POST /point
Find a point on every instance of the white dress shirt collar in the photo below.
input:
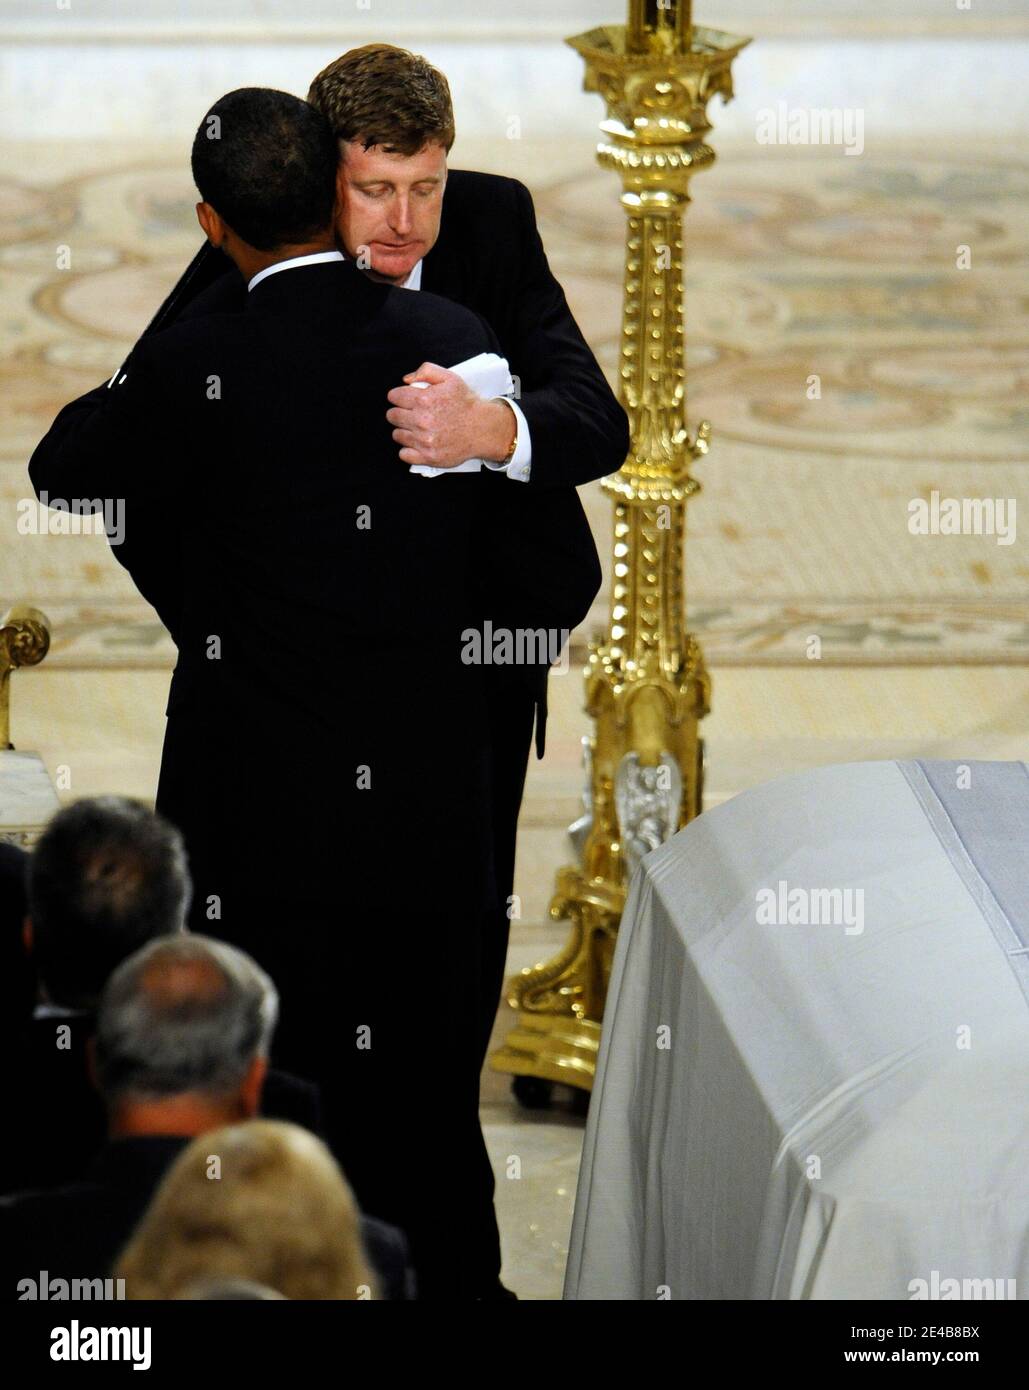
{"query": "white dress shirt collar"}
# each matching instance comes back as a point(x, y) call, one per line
point(315, 258)
point(414, 280)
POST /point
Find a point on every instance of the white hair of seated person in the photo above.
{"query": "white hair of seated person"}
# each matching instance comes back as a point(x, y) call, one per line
point(262, 1201)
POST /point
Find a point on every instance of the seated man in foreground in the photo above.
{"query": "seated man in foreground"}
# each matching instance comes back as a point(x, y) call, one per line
point(183, 1037)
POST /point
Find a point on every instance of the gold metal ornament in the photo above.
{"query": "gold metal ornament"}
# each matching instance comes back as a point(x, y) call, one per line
point(24, 641)
point(647, 687)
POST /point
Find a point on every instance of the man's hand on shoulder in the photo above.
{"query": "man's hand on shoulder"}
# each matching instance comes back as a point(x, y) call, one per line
point(444, 422)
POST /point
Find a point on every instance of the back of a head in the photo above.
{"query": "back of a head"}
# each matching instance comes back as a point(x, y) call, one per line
point(185, 1016)
point(261, 1201)
point(107, 876)
point(266, 162)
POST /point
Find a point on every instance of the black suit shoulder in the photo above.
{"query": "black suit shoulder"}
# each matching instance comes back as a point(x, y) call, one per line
point(386, 312)
point(428, 317)
point(486, 219)
point(183, 344)
point(471, 193)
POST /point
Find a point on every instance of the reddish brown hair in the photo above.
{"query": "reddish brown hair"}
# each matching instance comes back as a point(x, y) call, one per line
point(381, 95)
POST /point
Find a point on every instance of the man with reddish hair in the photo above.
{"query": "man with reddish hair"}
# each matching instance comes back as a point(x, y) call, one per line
point(406, 219)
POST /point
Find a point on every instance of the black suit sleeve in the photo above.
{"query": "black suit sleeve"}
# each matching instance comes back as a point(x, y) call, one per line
point(51, 467)
point(488, 340)
point(210, 284)
point(579, 431)
point(99, 445)
point(105, 447)
point(225, 295)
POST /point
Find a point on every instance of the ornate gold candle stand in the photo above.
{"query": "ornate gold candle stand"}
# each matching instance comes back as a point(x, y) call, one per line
point(646, 684)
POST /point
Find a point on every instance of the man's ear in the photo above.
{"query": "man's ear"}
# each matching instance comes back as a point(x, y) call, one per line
point(213, 226)
point(253, 1085)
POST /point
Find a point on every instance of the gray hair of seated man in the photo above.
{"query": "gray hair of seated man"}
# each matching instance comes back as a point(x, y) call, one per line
point(186, 1014)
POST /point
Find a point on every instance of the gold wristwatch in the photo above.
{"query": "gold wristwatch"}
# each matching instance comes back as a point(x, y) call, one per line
point(514, 442)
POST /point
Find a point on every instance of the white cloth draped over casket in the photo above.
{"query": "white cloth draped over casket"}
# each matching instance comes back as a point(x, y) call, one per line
point(790, 1110)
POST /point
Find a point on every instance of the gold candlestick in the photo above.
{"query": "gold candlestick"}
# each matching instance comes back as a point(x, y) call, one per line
point(646, 684)
point(667, 26)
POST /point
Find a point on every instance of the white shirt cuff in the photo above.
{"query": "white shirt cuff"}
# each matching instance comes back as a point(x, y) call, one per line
point(519, 465)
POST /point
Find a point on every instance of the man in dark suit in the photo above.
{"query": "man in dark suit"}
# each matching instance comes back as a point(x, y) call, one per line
point(473, 238)
point(106, 877)
point(183, 1034)
point(317, 591)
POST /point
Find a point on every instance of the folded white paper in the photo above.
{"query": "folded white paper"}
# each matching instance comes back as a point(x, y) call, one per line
point(488, 375)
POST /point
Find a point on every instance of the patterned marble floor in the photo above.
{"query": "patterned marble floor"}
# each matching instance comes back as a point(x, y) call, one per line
point(803, 265)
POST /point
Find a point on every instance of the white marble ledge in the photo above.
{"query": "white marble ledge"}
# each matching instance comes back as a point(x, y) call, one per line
point(359, 21)
point(930, 88)
point(27, 796)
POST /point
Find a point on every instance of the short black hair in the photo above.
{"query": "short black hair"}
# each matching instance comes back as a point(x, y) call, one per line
point(266, 162)
point(107, 876)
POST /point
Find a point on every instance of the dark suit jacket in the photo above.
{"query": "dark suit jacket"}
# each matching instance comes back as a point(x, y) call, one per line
point(305, 574)
point(276, 419)
point(59, 1117)
point(78, 1231)
point(264, 502)
point(540, 562)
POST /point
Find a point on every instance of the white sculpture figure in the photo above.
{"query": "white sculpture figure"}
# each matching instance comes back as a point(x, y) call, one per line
point(647, 802)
